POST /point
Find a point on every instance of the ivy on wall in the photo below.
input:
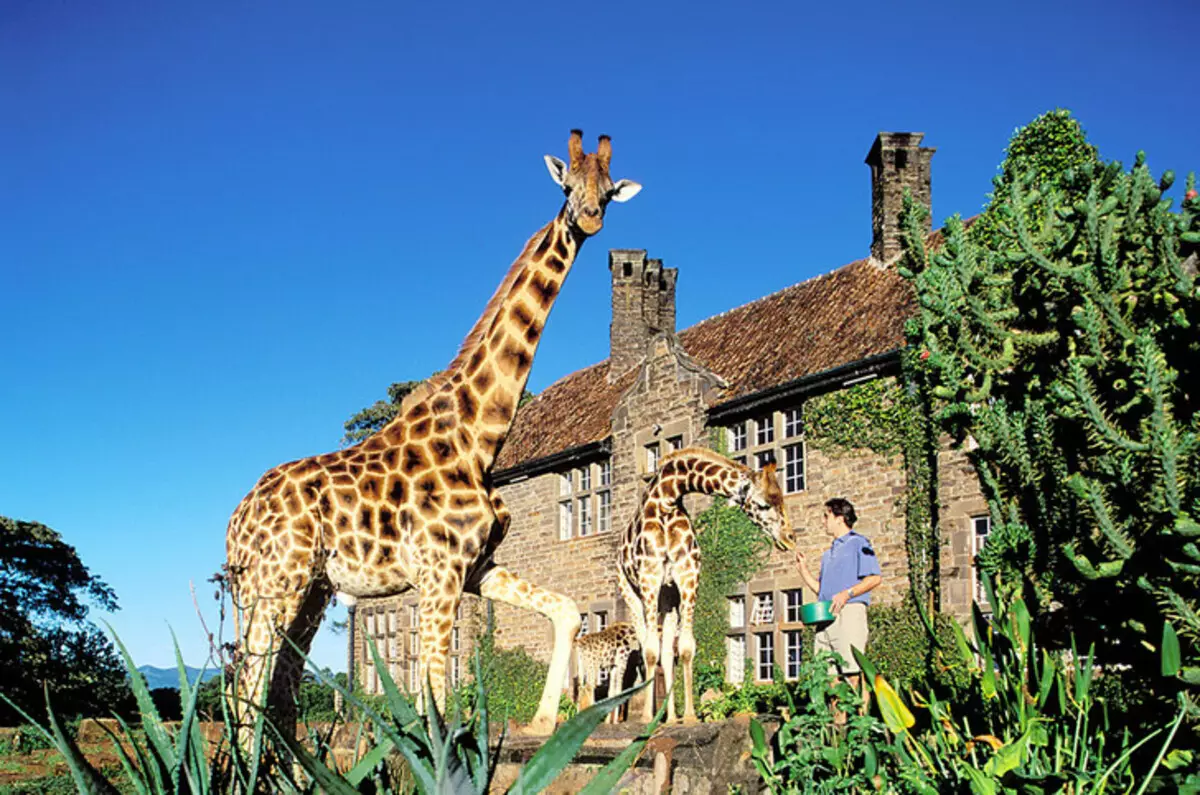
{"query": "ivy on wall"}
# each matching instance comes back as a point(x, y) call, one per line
point(869, 415)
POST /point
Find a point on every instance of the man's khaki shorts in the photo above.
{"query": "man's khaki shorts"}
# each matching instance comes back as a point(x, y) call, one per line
point(848, 629)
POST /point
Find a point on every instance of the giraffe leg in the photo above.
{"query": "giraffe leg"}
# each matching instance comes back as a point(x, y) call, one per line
point(649, 587)
point(669, 625)
point(637, 614)
point(502, 585)
point(441, 591)
point(687, 575)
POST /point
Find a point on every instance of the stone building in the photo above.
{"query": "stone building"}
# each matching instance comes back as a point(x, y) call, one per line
point(579, 454)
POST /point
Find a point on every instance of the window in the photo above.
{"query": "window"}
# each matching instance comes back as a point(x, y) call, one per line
point(414, 615)
point(793, 468)
point(585, 515)
point(371, 684)
point(564, 484)
point(737, 611)
point(604, 515)
point(458, 611)
point(737, 437)
point(455, 640)
point(740, 459)
point(764, 430)
point(793, 425)
point(981, 527)
point(764, 608)
point(652, 458)
point(601, 620)
point(735, 658)
point(393, 647)
point(414, 676)
point(564, 520)
point(766, 654)
point(391, 621)
point(371, 624)
point(764, 457)
point(414, 643)
point(454, 672)
point(794, 645)
point(606, 472)
point(675, 443)
point(794, 598)
point(584, 626)
point(585, 478)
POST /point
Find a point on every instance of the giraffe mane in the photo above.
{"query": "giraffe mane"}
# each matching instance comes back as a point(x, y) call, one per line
point(479, 331)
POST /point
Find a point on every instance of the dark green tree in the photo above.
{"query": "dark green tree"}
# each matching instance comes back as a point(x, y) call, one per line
point(1061, 339)
point(370, 420)
point(45, 637)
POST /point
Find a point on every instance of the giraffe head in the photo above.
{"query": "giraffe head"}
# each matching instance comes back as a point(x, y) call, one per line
point(761, 498)
point(586, 182)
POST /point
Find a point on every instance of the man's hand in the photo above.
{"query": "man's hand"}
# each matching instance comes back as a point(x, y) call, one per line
point(839, 600)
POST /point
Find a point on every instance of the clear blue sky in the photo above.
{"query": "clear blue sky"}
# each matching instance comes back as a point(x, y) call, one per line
point(224, 227)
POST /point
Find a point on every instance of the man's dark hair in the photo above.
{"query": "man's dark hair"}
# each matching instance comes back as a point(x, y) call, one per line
point(842, 507)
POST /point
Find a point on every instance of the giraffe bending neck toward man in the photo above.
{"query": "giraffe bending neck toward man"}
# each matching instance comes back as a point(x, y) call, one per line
point(413, 506)
point(658, 565)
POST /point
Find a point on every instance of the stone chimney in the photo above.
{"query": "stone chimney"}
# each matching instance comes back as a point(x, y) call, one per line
point(643, 306)
point(897, 161)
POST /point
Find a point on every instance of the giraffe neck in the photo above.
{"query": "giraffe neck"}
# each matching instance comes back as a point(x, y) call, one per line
point(693, 472)
point(489, 374)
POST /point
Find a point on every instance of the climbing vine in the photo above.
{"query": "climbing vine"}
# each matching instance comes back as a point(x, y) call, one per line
point(869, 415)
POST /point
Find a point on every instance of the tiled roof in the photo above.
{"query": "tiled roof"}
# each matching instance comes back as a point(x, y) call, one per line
point(853, 313)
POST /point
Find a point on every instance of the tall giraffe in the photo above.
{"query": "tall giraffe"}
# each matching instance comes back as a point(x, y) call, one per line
point(659, 550)
point(413, 506)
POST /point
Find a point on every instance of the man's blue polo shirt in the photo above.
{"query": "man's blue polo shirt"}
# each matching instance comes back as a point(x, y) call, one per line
point(848, 559)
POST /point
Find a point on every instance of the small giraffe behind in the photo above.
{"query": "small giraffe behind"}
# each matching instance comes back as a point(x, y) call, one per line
point(659, 556)
point(606, 650)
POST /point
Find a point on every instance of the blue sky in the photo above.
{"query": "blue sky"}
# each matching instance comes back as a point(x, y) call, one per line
point(224, 227)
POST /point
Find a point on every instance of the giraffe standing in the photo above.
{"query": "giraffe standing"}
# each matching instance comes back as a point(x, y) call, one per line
point(413, 506)
point(659, 555)
point(606, 650)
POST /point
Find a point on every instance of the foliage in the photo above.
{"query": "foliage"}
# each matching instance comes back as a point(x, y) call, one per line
point(45, 593)
point(903, 649)
point(441, 755)
point(370, 420)
point(811, 752)
point(870, 415)
point(1066, 348)
point(732, 549)
point(513, 681)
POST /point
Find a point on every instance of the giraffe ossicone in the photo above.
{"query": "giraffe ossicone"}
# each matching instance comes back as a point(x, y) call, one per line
point(659, 553)
point(413, 506)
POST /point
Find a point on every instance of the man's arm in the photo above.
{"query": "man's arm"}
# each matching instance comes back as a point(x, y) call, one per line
point(865, 585)
point(810, 581)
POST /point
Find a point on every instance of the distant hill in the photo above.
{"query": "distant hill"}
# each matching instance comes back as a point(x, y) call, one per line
point(169, 677)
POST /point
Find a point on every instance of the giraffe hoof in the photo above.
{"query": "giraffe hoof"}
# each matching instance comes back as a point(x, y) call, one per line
point(691, 720)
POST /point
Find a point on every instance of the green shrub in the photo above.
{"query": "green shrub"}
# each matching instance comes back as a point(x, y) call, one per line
point(901, 647)
point(513, 681)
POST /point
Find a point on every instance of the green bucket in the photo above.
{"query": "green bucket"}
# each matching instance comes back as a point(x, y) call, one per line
point(817, 612)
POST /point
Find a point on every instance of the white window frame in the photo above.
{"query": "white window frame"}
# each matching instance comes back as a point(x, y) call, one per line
point(583, 506)
point(793, 423)
point(566, 520)
point(455, 640)
point(652, 457)
point(675, 443)
point(795, 482)
point(764, 642)
point(793, 642)
point(978, 540)
point(735, 658)
point(738, 437)
point(603, 511)
point(764, 430)
point(585, 477)
point(793, 599)
point(737, 612)
point(764, 608)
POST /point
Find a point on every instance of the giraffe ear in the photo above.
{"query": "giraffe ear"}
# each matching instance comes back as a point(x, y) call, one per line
point(558, 169)
point(625, 190)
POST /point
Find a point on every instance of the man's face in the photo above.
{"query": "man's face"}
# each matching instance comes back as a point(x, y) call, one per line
point(829, 522)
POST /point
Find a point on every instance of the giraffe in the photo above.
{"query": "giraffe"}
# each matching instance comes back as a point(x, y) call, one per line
point(659, 550)
point(606, 650)
point(413, 506)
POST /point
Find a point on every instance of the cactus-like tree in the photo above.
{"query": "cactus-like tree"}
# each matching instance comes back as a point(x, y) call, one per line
point(1058, 337)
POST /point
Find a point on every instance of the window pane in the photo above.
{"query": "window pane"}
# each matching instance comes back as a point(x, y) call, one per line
point(604, 517)
point(454, 672)
point(585, 516)
point(601, 620)
point(414, 643)
point(737, 611)
point(564, 483)
point(564, 521)
point(652, 457)
point(795, 652)
point(735, 658)
point(793, 425)
point(584, 627)
point(762, 458)
point(454, 639)
point(675, 443)
point(585, 478)
point(606, 473)
point(794, 598)
point(764, 608)
point(737, 437)
point(982, 526)
point(766, 654)
point(793, 468)
point(765, 430)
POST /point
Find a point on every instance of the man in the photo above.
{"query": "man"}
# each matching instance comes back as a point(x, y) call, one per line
point(849, 572)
